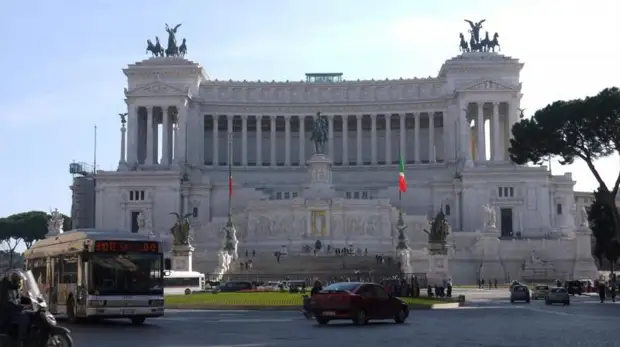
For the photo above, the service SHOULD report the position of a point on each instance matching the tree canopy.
(586, 129)
(600, 218)
(27, 227)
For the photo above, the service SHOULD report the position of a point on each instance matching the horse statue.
(473, 45)
(463, 46)
(183, 48)
(319, 133)
(155, 49)
(494, 43)
(485, 42)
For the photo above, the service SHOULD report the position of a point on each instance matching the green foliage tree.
(26, 227)
(586, 129)
(600, 218)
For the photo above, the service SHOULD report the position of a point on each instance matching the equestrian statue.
(319, 133)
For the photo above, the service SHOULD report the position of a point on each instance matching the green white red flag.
(402, 182)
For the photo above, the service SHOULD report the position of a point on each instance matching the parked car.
(519, 293)
(234, 286)
(558, 295)
(357, 301)
(540, 291)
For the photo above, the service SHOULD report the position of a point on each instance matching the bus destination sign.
(127, 246)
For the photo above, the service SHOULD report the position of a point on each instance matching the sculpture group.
(476, 44)
(172, 50)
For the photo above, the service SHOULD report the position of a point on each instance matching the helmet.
(16, 278)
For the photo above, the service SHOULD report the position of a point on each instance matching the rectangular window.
(68, 273)
(287, 195)
(511, 192)
(195, 212)
(347, 195)
(278, 196)
(364, 195)
(499, 191)
(448, 209)
(558, 208)
(294, 195)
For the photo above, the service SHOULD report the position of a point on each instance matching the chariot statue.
(180, 230)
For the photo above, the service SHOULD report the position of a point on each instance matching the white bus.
(183, 282)
(91, 274)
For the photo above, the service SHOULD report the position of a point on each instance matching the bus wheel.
(187, 291)
(137, 320)
(71, 310)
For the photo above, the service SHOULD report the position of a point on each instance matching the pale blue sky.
(61, 63)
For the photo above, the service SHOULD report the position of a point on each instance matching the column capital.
(272, 118)
(373, 116)
(496, 103)
(244, 117)
(287, 117)
(258, 117)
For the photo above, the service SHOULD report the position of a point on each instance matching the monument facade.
(318, 160)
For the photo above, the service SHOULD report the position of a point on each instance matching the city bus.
(95, 274)
(183, 282)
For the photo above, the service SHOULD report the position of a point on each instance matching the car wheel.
(360, 318)
(401, 316)
(512, 301)
(527, 301)
(322, 321)
(187, 291)
(547, 302)
(567, 303)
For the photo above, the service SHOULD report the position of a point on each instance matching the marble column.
(464, 129)
(416, 137)
(360, 158)
(149, 136)
(244, 140)
(132, 137)
(403, 134)
(431, 137)
(287, 140)
(165, 148)
(229, 156)
(216, 142)
(497, 147)
(123, 132)
(330, 134)
(181, 138)
(345, 139)
(481, 154)
(272, 141)
(373, 139)
(259, 140)
(388, 139)
(302, 140)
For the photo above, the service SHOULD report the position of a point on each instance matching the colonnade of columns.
(143, 135)
(500, 116)
(379, 127)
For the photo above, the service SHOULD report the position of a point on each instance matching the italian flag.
(402, 183)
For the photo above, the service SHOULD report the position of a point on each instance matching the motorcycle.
(43, 330)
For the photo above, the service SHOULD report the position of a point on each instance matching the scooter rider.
(12, 304)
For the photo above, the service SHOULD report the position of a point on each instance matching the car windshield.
(340, 287)
(558, 290)
(542, 287)
(520, 289)
(127, 273)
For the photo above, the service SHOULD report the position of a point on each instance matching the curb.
(449, 305)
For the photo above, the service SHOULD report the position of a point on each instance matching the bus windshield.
(127, 273)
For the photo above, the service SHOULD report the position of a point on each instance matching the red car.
(357, 301)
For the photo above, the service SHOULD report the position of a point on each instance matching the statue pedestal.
(319, 181)
(182, 257)
(438, 269)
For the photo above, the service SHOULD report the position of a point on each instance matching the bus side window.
(68, 274)
(167, 264)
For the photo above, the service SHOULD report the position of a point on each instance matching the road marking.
(206, 311)
(255, 320)
(559, 313)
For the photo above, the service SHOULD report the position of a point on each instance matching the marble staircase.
(303, 266)
(541, 271)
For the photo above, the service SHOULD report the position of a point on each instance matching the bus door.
(82, 286)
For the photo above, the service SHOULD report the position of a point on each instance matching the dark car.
(520, 293)
(574, 287)
(234, 286)
(357, 301)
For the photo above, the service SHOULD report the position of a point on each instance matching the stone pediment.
(156, 89)
(488, 85)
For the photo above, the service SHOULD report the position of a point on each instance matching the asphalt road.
(488, 321)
